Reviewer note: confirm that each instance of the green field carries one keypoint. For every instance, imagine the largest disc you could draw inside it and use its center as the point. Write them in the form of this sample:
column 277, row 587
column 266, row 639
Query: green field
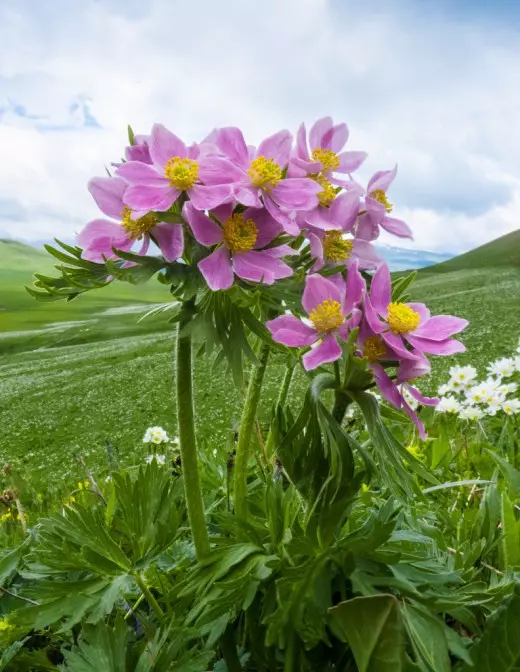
column 88, row 371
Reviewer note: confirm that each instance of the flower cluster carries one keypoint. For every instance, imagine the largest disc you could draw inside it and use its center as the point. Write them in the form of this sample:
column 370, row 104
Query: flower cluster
column 470, row 399
column 156, row 435
column 242, row 211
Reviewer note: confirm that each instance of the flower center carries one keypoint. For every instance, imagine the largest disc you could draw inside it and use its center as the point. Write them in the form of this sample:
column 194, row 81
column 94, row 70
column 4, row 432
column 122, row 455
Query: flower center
column 239, row 234
column 265, row 173
column 374, row 348
column 182, row 173
column 327, row 316
column 328, row 159
column 402, row 319
column 335, row 247
column 328, row 194
column 380, row 196
column 136, row 228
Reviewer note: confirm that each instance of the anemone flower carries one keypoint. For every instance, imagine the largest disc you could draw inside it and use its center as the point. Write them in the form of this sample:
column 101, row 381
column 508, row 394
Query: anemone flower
column 331, row 248
column 324, row 156
column 140, row 150
column 257, row 176
column 175, row 169
column 328, row 306
column 400, row 324
column 100, row 237
column 241, row 239
column 377, row 208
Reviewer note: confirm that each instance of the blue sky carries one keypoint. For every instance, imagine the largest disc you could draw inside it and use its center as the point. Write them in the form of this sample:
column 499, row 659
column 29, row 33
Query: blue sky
column 429, row 85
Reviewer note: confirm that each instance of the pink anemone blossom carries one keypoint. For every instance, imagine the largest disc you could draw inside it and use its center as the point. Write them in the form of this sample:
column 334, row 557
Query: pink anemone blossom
column 324, row 155
column 328, row 305
column 140, row 150
column 331, row 248
column 100, row 237
column 400, row 324
column 241, row 239
column 257, row 176
column 377, row 208
column 175, row 169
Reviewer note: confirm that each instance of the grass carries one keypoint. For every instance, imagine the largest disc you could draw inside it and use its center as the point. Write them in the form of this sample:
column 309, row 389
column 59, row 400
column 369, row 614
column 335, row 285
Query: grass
column 108, row 377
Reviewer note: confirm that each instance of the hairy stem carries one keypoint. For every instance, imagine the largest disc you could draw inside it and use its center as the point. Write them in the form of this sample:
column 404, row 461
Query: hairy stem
column 148, row 595
column 282, row 400
column 188, row 444
column 246, row 432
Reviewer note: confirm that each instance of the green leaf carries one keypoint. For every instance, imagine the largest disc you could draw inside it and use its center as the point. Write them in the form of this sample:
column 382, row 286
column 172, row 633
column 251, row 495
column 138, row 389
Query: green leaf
column 101, row 648
column 131, row 136
column 498, row 650
column 510, row 539
column 428, row 638
column 9, row 653
column 511, row 475
column 10, row 562
column 373, row 628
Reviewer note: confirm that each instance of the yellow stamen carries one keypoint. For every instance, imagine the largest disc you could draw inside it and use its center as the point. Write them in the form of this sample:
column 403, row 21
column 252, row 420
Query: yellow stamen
column 328, row 159
column 327, row 316
column 265, row 173
column 374, row 348
column 136, row 228
column 240, row 234
column 402, row 319
column 335, row 247
column 182, row 173
column 380, row 196
column 328, row 194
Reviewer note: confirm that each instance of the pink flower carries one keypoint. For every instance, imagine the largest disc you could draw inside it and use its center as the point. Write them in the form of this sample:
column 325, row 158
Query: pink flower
column 377, row 209
column 331, row 248
column 241, row 239
column 400, row 324
column 324, row 155
column 328, row 305
column 257, row 176
column 175, row 169
column 100, row 237
column 140, row 150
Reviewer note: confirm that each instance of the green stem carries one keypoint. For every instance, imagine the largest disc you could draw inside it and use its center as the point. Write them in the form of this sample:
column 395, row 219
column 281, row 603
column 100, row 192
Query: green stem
column 246, row 432
column 188, row 444
column 148, row 595
column 282, row 400
column 229, row 650
column 289, row 656
column 341, row 403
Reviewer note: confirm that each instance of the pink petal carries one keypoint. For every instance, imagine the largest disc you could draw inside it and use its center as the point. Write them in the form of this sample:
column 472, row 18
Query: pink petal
column 170, row 240
column 296, row 193
column 321, row 218
column 366, row 227
column 205, row 230
column 350, row 161
column 217, row 269
column 335, row 138
column 318, row 289
column 289, row 330
column 281, row 251
column 409, row 369
column 396, row 227
column 140, row 151
column 245, row 268
column 266, row 262
column 386, row 386
column 268, row 227
column 223, row 212
column 448, row 347
column 426, row 401
column 141, row 197
column 208, row 197
column 382, row 180
column 371, row 316
column 366, row 255
column 344, row 210
column 316, row 247
column 375, row 209
column 100, row 237
column 164, row 145
column 302, row 150
column 415, row 419
column 422, row 310
column 440, row 327
column 135, row 172
column 381, row 289
column 307, row 167
column 247, row 194
column 231, row 141
column 354, row 289
column 327, row 351
column 218, row 170
column 277, row 147
column 318, row 130
column 396, row 342
column 108, row 193
column 289, row 224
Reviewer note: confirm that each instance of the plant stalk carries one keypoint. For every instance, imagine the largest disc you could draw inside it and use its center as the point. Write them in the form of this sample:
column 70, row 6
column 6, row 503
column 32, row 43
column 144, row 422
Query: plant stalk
column 188, row 444
column 282, row 400
column 148, row 595
column 229, row 650
column 341, row 403
column 246, row 432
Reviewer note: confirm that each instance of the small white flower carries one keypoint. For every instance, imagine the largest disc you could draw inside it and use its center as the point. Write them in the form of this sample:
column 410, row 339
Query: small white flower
column 517, row 362
column 503, row 368
column 155, row 435
column 108, row 479
column 492, row 409
column 214, row 452
column 470, row 413
column 443, row 390
column 175, row 441
column 463, row 374
column 455, row 385
column 160, row 459
column 511, row 406
column 448, row 405
column 508, row 388
column 483, row 392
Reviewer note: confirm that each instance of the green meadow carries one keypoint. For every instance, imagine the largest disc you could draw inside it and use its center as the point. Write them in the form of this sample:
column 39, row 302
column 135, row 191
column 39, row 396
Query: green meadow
column 76, row 375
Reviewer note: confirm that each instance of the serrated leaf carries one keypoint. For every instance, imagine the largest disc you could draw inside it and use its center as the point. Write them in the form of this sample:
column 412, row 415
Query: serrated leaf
column 10, row 652
column 373, row 628
column 10, row 562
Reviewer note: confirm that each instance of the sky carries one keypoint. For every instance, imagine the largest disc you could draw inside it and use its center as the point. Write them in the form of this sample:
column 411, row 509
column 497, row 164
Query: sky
column 431, row 86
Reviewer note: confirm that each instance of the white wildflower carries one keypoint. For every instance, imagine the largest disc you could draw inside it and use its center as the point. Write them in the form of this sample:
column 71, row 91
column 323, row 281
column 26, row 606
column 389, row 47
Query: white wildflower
column 444, row 390
column 508, row 388
column 463, row 374
column 470, row 413
column 502, row 368
column 511, row 406
column 448, row 405
column 155, row 435
column 160, row 459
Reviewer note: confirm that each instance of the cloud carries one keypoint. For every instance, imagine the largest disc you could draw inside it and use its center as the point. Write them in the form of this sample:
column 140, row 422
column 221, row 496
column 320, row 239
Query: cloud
column 418, row 85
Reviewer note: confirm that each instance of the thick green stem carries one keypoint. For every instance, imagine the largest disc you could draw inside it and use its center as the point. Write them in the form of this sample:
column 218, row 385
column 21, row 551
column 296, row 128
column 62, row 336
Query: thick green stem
column 148, row 595
column 229, row 650
column 341, row 403
column 246, row 432
column 188, row 444
column 282, row 400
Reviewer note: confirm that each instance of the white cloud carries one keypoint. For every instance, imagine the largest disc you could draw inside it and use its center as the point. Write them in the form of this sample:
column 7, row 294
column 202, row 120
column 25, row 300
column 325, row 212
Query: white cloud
column 430, row 92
